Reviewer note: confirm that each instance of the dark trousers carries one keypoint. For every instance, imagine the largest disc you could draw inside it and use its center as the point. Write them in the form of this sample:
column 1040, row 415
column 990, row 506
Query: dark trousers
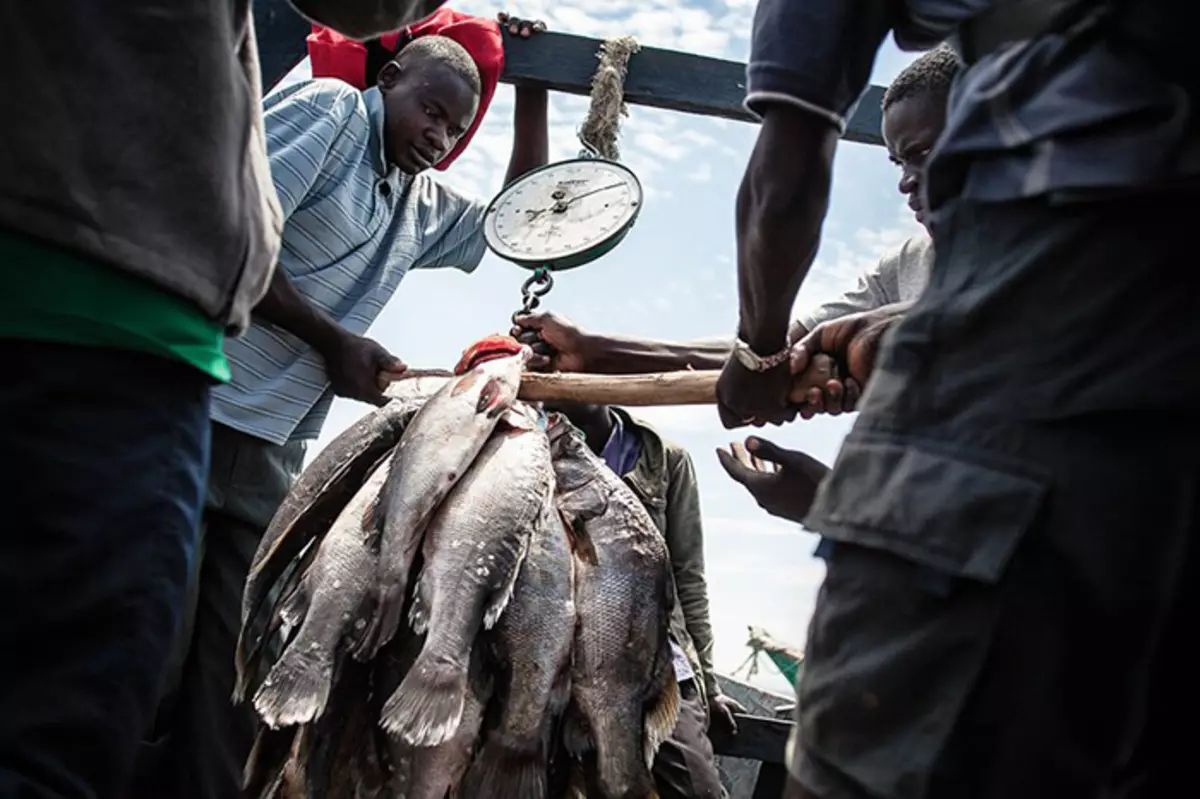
column 103, row 454
column 685, row 767
column 201, row 739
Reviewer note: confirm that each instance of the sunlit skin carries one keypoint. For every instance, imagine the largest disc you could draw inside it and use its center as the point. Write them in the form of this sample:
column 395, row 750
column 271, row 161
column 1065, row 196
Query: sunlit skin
column 427, row 108
column 911, row 126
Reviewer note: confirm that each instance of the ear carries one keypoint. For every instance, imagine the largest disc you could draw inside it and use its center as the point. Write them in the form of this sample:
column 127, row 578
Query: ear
column 389, row 76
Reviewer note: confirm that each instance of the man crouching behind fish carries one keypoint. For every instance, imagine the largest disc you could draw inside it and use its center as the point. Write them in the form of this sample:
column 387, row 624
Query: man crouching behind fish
column 661, row 475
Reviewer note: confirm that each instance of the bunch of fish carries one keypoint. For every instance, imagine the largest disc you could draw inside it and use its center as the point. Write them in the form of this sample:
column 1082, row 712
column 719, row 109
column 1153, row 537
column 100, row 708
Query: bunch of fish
column 458, row 598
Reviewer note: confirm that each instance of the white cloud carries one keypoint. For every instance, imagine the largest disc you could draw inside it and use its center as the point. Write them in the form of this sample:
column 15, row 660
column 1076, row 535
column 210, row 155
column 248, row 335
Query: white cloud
column 673, row 277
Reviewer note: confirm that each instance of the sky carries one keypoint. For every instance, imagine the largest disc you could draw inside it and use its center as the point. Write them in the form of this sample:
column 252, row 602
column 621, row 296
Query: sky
column 673, row 277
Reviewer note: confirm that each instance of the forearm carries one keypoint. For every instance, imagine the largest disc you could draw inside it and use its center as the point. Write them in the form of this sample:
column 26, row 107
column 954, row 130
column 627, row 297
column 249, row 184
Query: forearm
column 363, row 19
column 781, row 206
column 531, row 140
column 624, row 355
column 285, row 307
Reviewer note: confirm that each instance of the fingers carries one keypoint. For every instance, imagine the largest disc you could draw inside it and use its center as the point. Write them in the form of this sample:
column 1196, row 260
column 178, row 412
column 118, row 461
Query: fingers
column 737, row 470
column 748, row 460
column 530, row 321
column 853, row 393
column 520, row 27
column 834, row 397
column 767, row 450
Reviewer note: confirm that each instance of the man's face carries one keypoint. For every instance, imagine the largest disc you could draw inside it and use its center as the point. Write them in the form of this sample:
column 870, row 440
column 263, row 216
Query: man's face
column 911, row 126
column 427, row 109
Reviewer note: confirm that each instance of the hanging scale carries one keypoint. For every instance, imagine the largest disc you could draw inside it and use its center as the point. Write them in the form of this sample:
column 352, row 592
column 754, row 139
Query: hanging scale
column 570, row 213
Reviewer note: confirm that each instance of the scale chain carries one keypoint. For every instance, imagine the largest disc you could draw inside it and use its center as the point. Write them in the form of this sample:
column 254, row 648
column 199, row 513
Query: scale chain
column 533, row 289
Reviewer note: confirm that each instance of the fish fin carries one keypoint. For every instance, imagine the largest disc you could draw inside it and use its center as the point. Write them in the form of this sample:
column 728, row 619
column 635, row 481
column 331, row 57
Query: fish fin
column 297, row 689
column 294, row 608
column 500, row 598
column 662, row 717
column 576, row 737
column 361, row 638
column 507, row 769
column 418, row 611
column 464, row 382
column 427, row 707
column 581, row 542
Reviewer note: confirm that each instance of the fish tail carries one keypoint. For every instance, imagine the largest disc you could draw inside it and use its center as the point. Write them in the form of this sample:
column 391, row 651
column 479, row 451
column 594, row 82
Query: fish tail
column 661, row 717
column 507, row 769
column 297, row 688
column 428, row 706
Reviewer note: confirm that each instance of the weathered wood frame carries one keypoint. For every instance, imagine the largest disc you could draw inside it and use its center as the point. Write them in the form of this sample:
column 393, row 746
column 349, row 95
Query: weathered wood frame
column 657, row 78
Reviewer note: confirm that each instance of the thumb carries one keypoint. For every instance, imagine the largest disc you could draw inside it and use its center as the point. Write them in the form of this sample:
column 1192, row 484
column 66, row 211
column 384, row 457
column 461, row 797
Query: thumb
column 768, row 451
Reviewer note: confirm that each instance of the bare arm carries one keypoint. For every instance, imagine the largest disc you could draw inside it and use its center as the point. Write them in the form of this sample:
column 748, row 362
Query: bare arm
column 781, row 206
column 531, row 139
column 285, row 307
column 362, row 19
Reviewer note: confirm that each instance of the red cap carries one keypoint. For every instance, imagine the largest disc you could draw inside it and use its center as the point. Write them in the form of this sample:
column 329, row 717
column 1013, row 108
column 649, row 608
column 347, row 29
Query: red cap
column 334, row 56
column 485, row 350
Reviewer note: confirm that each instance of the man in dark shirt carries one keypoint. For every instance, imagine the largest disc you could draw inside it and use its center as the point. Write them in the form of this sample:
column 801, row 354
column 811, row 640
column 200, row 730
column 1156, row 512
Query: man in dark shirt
column 1020, row 486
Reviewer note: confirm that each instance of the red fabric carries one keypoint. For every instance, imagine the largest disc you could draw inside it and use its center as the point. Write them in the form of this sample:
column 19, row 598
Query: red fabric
column 485, row 350
column 334, row 56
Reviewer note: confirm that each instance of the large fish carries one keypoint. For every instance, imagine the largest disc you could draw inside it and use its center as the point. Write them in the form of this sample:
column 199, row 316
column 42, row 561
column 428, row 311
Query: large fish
column 624, row 699
column 438, row 447
column 336, row 601
column 430, row 772
column 473, row 551
column 532, row 648
column 314, row 502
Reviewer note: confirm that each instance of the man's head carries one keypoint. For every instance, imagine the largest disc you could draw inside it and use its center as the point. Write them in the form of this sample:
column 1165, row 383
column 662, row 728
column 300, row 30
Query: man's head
column 914, row 114
column 430, row 96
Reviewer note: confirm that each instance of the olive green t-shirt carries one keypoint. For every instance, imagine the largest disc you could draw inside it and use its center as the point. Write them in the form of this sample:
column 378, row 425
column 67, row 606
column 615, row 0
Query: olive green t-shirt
column 54, row 295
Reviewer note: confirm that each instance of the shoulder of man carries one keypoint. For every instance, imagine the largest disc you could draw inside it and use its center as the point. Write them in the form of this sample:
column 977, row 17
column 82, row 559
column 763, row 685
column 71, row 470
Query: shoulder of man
column 666, row 452
column 320, row 96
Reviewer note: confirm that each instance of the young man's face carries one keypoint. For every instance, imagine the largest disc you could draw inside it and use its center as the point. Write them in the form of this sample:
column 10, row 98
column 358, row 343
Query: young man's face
column 427, row 109
column 911, row 127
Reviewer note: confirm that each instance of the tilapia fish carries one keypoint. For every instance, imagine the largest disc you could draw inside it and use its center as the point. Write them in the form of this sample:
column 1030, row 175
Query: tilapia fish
column 532, row 647
column 430, row 772
column 314, row 502
column 336, row 599
column 439, row 445
column 472, row 553
column 624, row 699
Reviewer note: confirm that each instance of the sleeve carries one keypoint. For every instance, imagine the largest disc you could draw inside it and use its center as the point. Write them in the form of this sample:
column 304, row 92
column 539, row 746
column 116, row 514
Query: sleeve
column 685, row 542
column 309, row 131
column 453, row 228
column 815, row 54
column 362, row 19
column 870, row 293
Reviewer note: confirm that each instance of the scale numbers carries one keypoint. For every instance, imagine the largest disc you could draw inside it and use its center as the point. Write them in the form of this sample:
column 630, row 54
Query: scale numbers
column 564, row 214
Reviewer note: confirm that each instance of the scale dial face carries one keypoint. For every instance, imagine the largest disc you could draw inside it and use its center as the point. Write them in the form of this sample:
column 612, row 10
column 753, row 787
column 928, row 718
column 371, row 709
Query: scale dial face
column 563, row 214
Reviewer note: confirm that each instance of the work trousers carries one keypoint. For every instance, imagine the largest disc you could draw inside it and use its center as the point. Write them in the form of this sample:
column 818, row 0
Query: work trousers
column 686, row 767
column 1012, row 528
column 200, row 740
column 103, row 455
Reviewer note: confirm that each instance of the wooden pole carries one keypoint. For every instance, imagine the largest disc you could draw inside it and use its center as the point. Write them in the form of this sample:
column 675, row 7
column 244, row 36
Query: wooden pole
column 670, row 388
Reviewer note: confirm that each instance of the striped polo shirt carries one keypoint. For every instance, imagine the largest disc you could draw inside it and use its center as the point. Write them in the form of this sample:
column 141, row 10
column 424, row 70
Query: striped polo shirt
column 355, row 225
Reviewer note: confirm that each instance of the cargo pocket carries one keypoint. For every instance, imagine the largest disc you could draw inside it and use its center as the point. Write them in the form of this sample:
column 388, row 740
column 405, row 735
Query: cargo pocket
column 905, row 617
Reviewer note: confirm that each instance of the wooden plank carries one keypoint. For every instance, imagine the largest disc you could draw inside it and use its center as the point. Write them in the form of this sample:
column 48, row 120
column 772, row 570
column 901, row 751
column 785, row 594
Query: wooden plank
column 281, row 33
column 658, row 78
column 563, row 62
column 757, row 738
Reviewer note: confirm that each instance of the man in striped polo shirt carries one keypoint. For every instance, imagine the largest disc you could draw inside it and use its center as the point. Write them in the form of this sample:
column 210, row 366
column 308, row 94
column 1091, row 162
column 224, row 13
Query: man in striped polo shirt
column 349, row 169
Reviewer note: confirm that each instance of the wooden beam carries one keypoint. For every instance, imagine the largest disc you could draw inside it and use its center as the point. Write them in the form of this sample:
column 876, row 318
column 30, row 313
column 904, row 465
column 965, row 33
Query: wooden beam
column 657, row 78
column 562, row 62
column 757, row 738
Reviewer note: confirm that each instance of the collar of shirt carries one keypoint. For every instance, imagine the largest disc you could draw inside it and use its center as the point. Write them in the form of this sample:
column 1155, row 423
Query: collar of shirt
column 373, row 99
column 623, row 447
